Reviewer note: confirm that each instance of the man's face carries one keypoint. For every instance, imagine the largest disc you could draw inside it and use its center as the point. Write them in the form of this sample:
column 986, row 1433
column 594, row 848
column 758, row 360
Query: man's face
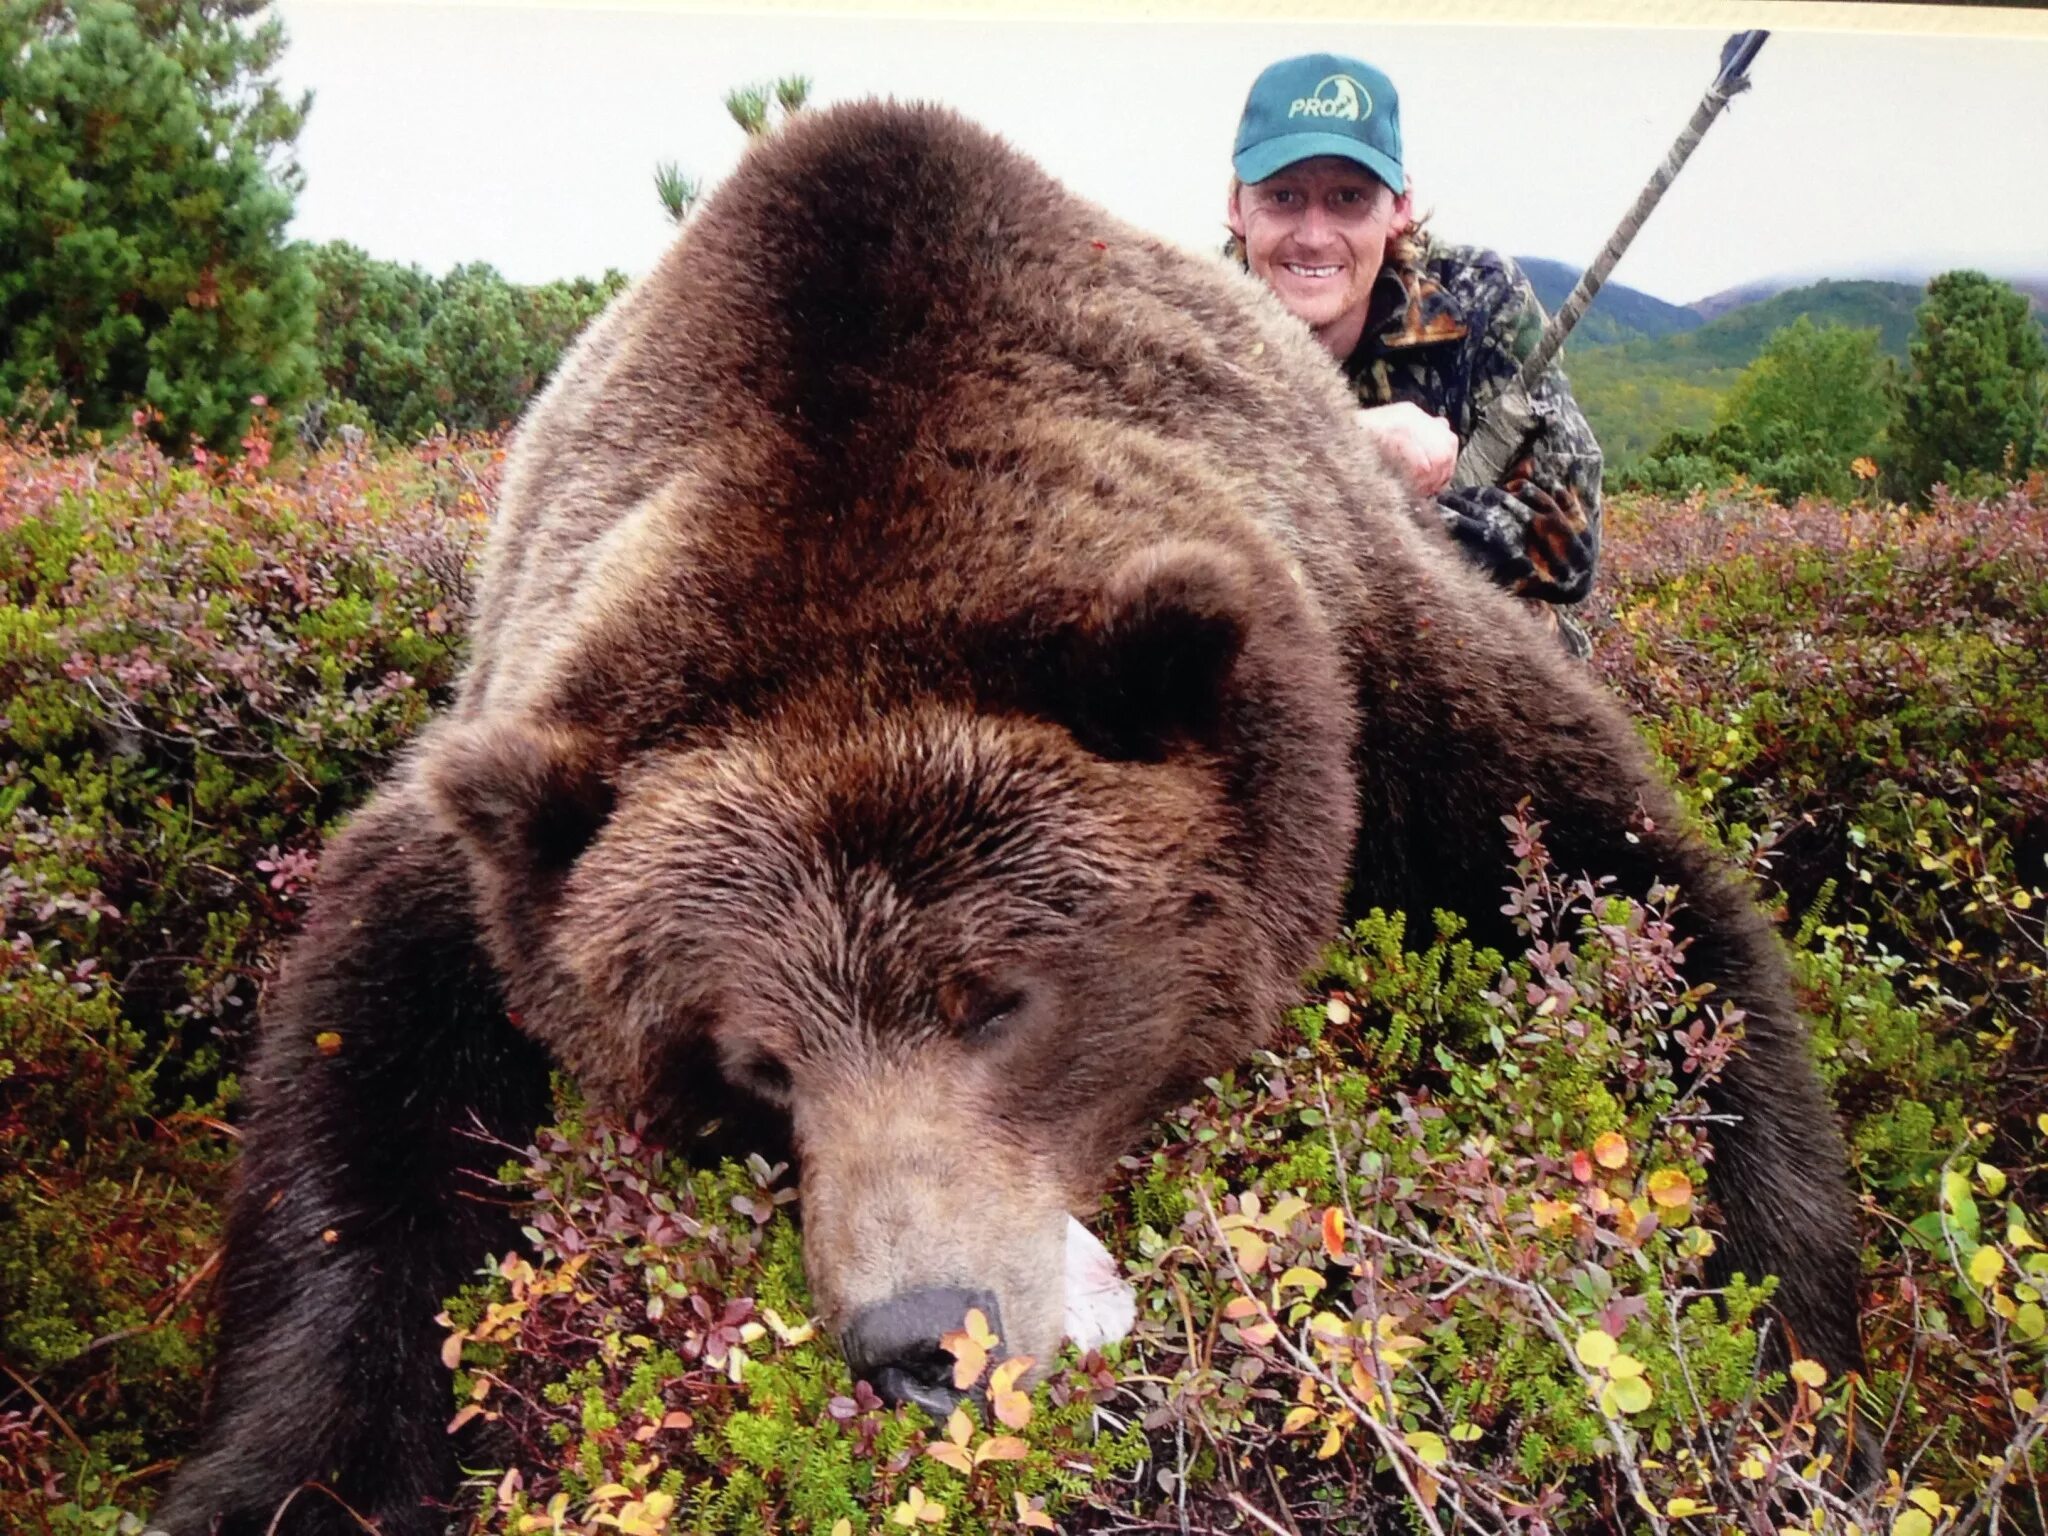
column 1316, row 234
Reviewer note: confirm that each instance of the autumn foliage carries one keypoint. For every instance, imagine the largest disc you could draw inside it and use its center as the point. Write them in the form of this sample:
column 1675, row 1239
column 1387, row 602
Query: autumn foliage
column 1434, row 1262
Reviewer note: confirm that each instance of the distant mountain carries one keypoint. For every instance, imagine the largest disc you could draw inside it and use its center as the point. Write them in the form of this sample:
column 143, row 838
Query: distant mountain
column 1619, row 313
column 1712, row 307
column 1733, row 338
column 1715, row 305
column 1636, row 391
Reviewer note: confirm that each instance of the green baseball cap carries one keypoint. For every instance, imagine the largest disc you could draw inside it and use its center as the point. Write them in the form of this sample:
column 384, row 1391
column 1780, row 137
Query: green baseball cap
column 1320, row 104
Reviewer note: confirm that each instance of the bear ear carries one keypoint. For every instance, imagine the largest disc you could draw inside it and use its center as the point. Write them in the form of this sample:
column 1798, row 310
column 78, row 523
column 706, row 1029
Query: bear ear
column 1151, row 661
column 521, row 794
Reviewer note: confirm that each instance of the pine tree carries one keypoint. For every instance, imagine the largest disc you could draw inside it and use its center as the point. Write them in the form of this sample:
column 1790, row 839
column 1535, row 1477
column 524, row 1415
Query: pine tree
column 145, row 185
column 754, row 109
column 1973, row 403
column 371, row 342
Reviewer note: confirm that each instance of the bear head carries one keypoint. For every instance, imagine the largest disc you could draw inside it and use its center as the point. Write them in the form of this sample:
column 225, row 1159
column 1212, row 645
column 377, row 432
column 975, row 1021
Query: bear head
column 953, row 948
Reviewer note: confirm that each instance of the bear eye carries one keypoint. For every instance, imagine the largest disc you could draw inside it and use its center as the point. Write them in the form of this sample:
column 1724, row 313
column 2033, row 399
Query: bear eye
column 978, row 1008
column 763, row 1076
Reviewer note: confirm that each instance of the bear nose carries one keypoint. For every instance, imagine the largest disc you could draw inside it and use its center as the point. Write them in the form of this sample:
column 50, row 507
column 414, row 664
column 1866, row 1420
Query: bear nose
column 894, row 1345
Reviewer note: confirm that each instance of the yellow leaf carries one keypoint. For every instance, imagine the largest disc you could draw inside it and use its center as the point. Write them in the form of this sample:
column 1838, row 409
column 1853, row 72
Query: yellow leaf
column 802, row 1333
column 1306, row 1280
column 1809, row 1372
column 1993, row 1179
column 1547, row 1213
column 1683, row 1508
column 1752, row 1468
column 959, row 1428
column 1986, row 1265
column 1621, row 1367
column 842, row 1527
column 1466, row 1433
column 1595, row 1348
column 1333, row 1440
column 947, row 1454
column 1927, row 1499
column 1250, row 1248
column 1428, row 1447
column 1001, row 1448
column 970, row 1346
column 2024, row 1400
column 1610, row 1150
column 1426, row 1489
column 2029, row 1323
column 1912, row 1522
column 1670, row 1188
column 1298, row 1418
column 1630, row 1394
column 1029, row 1514
column 1285, row 1209
column 915, row 1508
column 1011, row 1406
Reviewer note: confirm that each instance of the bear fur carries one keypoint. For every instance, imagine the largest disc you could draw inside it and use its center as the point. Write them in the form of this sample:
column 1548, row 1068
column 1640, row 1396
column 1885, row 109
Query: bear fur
column 946, row 662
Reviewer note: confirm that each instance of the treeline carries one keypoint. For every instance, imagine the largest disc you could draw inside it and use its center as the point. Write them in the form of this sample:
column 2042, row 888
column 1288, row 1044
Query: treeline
column 401, row 351
column 146, row 182
column 1824, row 410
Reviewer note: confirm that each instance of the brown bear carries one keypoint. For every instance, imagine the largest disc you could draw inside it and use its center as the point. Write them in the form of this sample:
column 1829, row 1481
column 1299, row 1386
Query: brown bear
column 946, row 662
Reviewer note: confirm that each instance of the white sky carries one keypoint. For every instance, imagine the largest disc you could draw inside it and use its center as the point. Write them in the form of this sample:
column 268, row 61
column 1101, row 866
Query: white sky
column 527, row 136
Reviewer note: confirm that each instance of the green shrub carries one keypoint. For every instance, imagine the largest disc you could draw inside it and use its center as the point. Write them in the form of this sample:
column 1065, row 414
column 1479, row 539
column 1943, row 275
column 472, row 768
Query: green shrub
column 203, row 666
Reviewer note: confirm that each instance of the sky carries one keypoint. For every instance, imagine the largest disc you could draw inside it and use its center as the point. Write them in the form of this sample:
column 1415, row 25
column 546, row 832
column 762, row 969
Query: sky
column 527, row 135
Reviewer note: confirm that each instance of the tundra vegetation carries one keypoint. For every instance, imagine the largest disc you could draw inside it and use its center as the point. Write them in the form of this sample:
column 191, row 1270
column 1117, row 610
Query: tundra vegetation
column 1433, row 1262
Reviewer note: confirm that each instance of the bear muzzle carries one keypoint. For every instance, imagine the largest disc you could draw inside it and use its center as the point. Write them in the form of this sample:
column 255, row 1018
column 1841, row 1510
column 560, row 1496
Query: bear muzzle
column 894, row 1344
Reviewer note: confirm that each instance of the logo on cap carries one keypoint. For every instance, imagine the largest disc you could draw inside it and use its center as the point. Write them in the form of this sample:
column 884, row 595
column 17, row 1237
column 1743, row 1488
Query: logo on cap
column 1334, row 96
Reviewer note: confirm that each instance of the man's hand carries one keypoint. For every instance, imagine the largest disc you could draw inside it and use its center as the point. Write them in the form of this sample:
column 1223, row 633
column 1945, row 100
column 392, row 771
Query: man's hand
column 1420, row 448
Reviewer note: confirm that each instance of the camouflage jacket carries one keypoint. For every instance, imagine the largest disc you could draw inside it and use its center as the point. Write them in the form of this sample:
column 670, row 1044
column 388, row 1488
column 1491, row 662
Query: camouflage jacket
column 1448, row 334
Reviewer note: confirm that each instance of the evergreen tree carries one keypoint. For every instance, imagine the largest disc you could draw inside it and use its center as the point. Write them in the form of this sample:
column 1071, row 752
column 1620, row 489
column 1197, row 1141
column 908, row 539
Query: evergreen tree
column 1973, row 403
column 372, row 342
column 753, row 107
column 401, row 351
column 678, row 193
column 145, row 185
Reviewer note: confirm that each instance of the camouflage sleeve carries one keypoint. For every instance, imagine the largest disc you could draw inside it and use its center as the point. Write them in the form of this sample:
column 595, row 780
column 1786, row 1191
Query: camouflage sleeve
column 1538, row 531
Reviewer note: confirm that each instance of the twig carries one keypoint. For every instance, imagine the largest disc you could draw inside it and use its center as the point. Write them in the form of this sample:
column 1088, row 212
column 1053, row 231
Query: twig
column 1399, row 1452
column 42, row 1402
column 1280, row 1496
column 1251, row 1509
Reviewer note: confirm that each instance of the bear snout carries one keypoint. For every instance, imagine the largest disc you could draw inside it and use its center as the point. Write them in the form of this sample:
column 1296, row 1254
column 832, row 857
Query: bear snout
column 894, row 1345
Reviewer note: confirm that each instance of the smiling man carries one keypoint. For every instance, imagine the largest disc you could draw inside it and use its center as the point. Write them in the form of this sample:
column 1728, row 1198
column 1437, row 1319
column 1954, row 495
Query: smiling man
column 1428, row 334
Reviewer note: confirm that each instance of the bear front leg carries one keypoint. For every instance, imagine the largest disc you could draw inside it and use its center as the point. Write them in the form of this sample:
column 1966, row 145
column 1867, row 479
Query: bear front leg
column 1454, row 733
column 384, row 1054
